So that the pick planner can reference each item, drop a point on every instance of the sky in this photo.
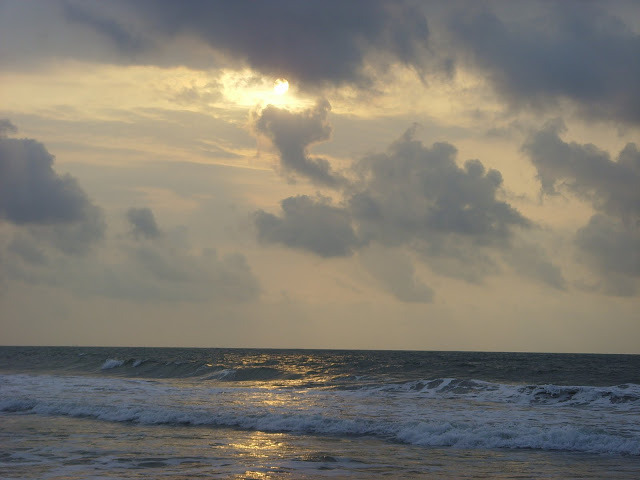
(436, 176)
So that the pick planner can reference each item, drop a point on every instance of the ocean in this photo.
(185, 413)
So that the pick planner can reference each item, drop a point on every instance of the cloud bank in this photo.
(53, 235)
(576, 51)
(534, 54)
(312, 43)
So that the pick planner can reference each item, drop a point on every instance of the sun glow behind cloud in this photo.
(168, 122)
(280, 86)
(247, 89)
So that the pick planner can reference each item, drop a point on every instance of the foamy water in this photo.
(388, 410)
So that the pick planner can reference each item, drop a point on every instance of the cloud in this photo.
(456, 257)
(531, 261)
(413, 192)
(168, 269)
(34, 35)
(613, 249)
(610, 242)
(75, 238)
(52, 207)
(413, 197)
(141, 273)
(167, 273)
(396, 274)
(165, 270)
(566, 50)
(312, 43)
(126, 41)
(27, 249)
(6, 127)
(534, 54)
(309, 224)
(31, 191)
(143, 223)
(292, 133)
(588, 172)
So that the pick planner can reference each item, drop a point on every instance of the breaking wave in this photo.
(467, 435)
(619, 395)
(577, 403)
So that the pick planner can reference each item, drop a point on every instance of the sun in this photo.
(280, 86)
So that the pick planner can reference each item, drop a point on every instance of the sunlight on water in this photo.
(260, 445)
(182, 413)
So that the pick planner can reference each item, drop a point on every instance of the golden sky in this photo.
(435, 177)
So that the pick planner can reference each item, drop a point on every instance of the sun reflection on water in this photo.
(261, 445)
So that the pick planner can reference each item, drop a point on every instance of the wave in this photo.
(323, 367)
(252, 374)
(151, 368)
(618, 395)
(441, 433)
(546, 394)
(111, 363)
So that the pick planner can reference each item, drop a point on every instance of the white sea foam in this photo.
(468, 436)
(111, 363)
(621, 397)
(227, 373)
(461, 416)
(565, 437)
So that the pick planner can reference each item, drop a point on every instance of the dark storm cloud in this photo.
(34, 33)
(585, 170)
(534, 53)
(309, 42)
(312, 43)
(309, 224)
(565, 50)
(31, 192)
(292, 133)
(143, 223)
(123, 38)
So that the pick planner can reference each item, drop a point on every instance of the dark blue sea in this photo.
(182, 413)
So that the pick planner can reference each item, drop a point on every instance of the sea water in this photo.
(124, 413)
